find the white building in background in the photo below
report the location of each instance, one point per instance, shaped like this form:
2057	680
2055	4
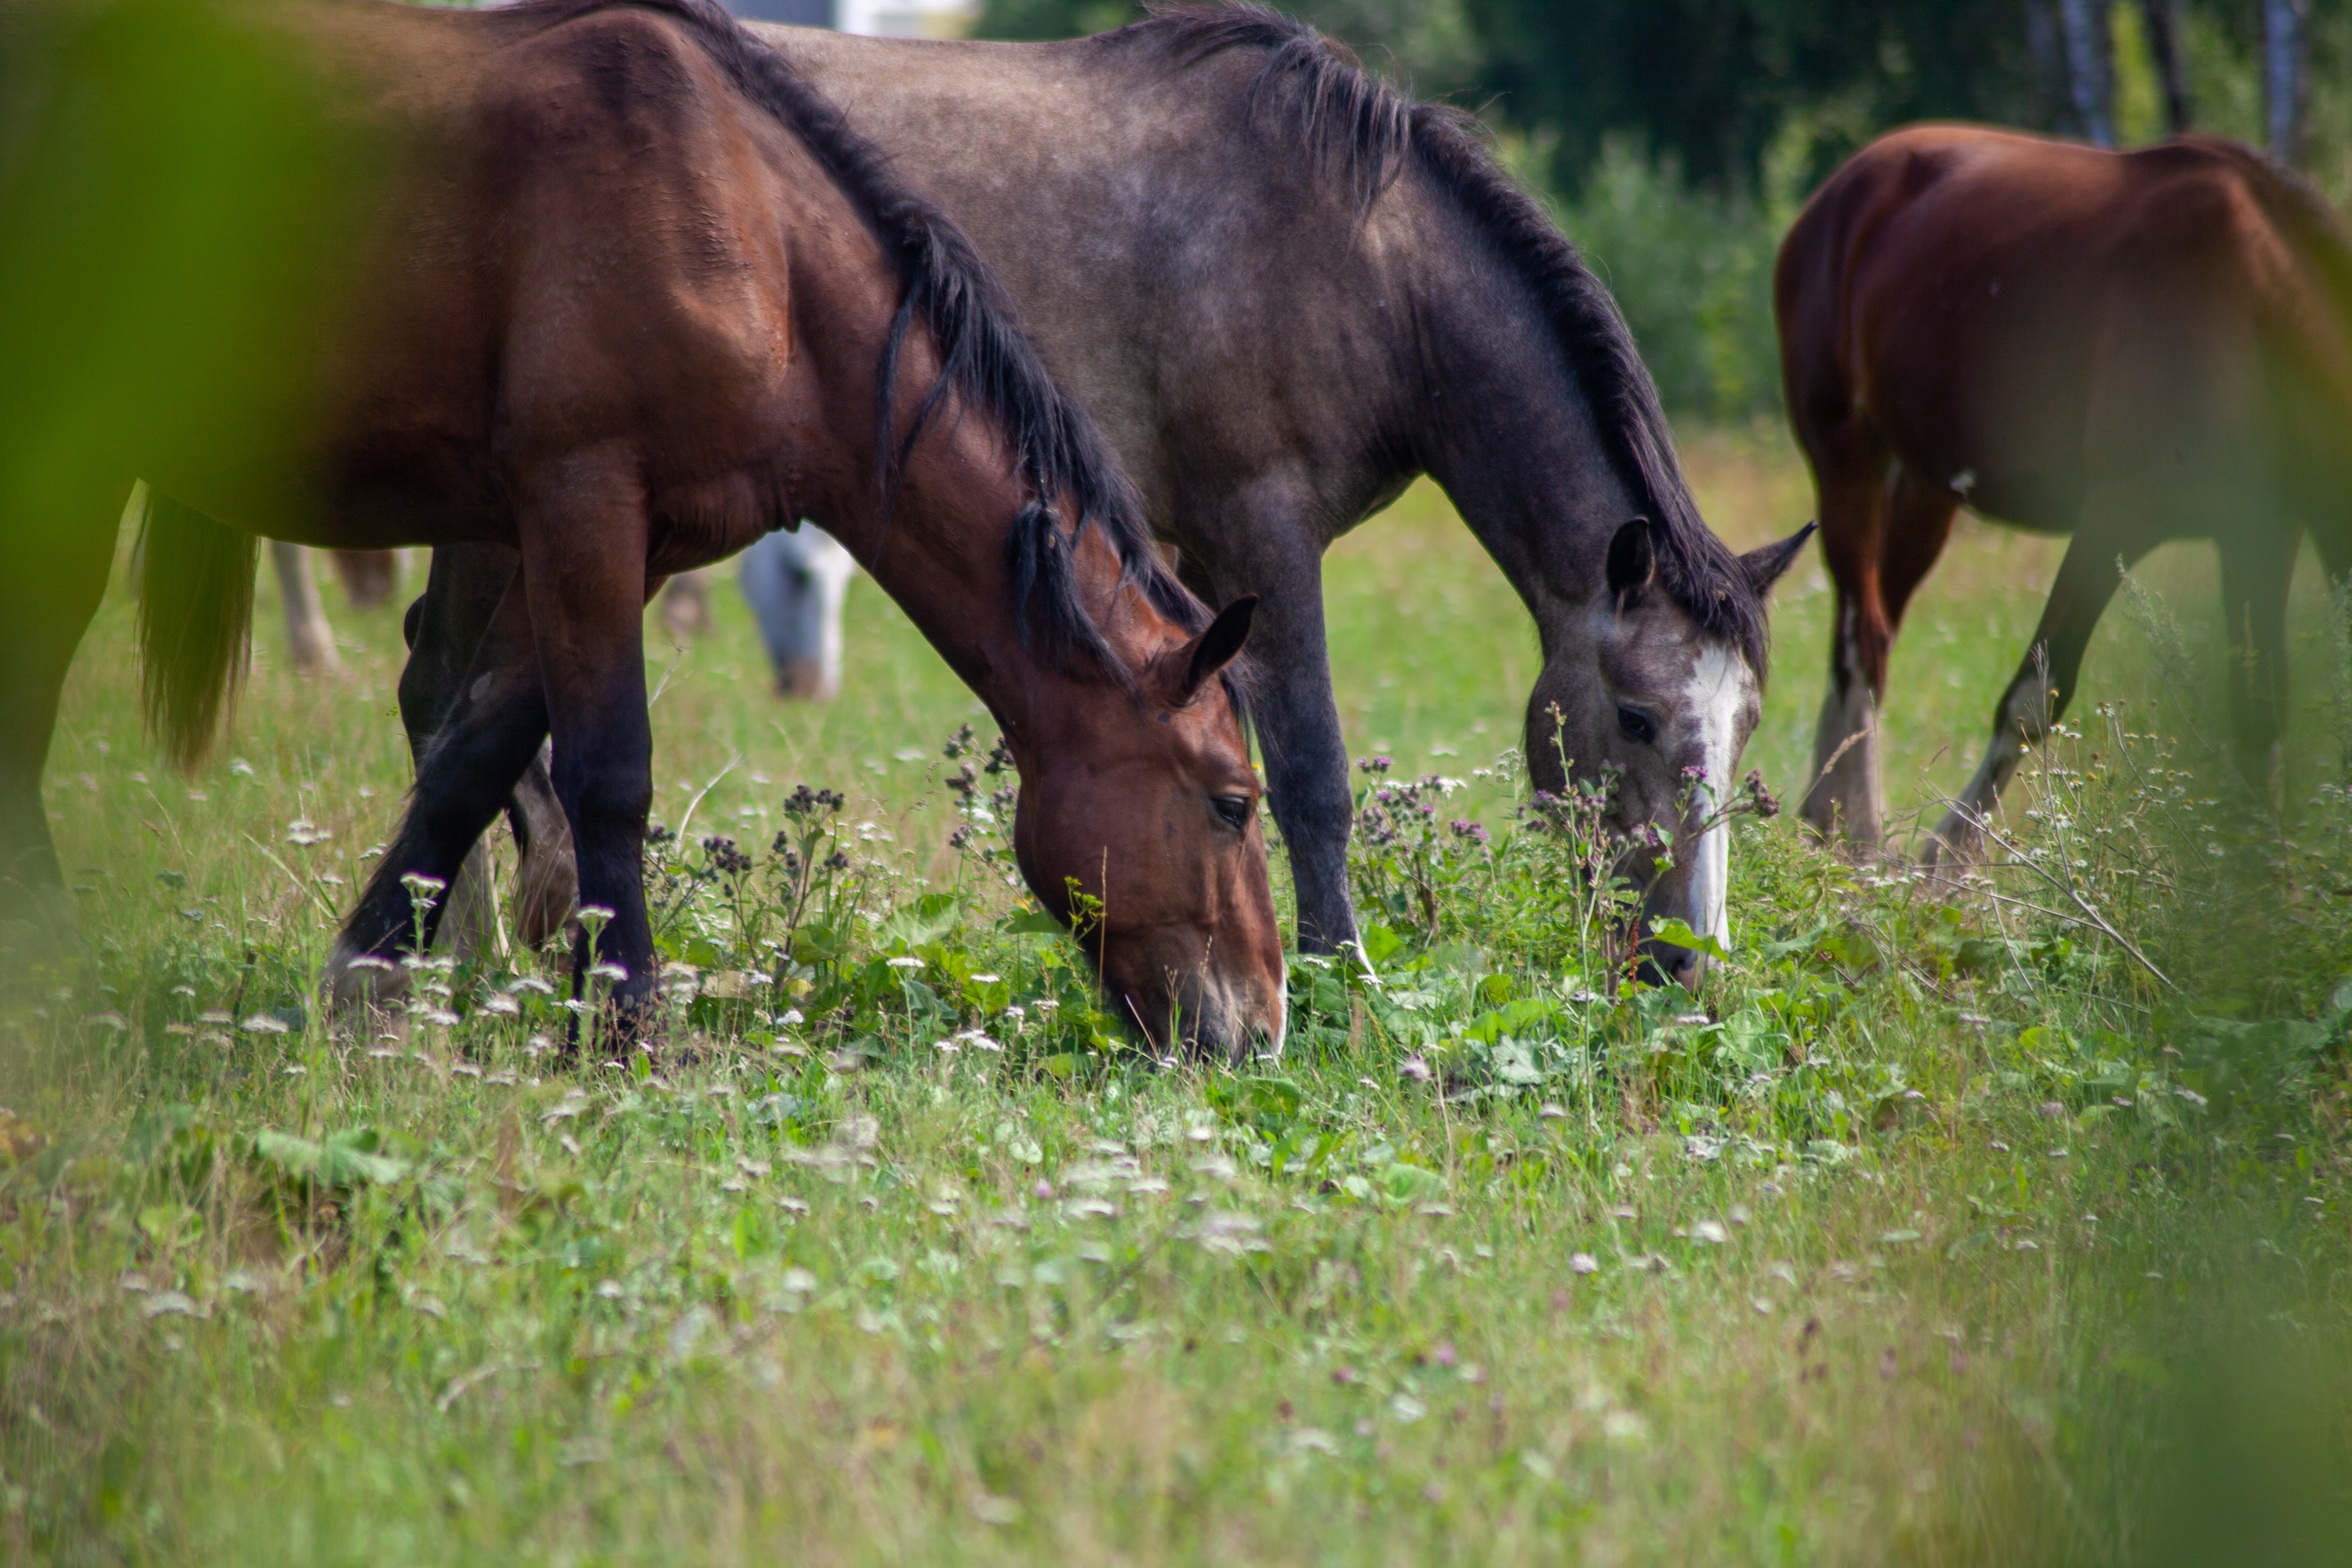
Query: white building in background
875	18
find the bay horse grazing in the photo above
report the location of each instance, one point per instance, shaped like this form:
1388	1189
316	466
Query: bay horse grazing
623	294
2133	347
1299	290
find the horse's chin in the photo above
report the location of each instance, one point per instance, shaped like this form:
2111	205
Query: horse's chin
1213	1018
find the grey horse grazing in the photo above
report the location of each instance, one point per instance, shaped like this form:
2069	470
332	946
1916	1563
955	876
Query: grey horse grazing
795	583
1285	291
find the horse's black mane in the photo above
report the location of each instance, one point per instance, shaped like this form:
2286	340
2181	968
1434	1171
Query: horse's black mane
983	354
1351	122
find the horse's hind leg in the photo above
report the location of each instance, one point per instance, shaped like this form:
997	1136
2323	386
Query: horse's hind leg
50	588
1850	472
489	736
369	576
2255	574
583	529
308	635
2037	695
443	629
686	607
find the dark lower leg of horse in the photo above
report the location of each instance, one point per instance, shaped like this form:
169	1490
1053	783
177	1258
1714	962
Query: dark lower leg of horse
1306	783
444	629
2255	575
606	794
47	595
488	737
584	528
1254	548
465	782
2044	683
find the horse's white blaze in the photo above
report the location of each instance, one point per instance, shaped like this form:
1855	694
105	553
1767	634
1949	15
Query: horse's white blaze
1719	692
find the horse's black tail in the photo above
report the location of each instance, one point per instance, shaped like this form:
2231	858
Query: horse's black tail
196	624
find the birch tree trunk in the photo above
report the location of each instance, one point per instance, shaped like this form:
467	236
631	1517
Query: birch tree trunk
2283	35
2083	27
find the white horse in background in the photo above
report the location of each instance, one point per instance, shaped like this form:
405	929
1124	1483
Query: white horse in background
795	583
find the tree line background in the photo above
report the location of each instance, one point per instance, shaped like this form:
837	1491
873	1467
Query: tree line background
1676	138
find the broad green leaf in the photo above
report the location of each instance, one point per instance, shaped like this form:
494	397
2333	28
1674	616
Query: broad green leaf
1677	932
927	919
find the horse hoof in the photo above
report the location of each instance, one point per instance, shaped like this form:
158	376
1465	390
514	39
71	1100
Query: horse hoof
360	987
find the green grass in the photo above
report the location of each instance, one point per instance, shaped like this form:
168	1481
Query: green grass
1950	1236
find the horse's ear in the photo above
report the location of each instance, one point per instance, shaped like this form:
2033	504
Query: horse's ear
1633	562
1764	566
1217	648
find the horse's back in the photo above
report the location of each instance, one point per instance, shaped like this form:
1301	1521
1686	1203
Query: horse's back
2035	315
1121	185
591	216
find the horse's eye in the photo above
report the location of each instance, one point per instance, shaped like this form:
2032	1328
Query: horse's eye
1637	724
1234	808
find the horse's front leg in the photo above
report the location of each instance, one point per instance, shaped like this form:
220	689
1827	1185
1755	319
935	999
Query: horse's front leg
584	538
2112	529
488	736
1297	722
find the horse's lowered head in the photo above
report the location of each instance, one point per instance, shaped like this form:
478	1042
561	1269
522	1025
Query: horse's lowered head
1138	825
1647	704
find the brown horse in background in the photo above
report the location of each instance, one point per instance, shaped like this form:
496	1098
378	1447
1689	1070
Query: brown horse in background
2132	347
621	293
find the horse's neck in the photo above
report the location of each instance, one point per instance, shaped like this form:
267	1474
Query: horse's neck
1507	431
1090	178
943	558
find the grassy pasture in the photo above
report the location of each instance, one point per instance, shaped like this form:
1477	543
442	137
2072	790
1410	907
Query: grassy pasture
1949	1235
